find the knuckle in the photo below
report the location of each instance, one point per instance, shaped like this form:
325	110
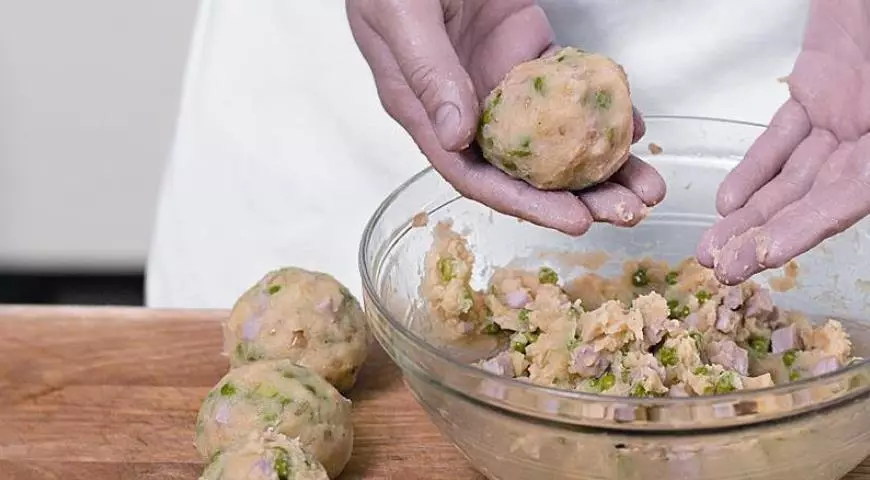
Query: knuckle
423	79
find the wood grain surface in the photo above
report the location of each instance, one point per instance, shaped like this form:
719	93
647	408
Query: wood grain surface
112	394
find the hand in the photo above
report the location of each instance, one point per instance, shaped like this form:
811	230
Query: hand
435	60
807	177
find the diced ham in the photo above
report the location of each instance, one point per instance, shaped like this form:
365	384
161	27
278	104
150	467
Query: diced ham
587	362
500	364
517	299
759	305
653	333
825	365
779	318
325	306
729	355
733	298
222	416
251	328
784	339
726	319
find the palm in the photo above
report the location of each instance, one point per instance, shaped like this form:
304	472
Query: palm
807	177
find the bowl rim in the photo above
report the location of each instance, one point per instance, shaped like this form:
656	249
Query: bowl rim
645	403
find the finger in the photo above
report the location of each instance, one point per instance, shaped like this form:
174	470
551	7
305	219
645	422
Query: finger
417	37
798	174
482	182
836	166
512	32
396	96
641	179
793	182
639	126
765	157
612	203
715	238
825	211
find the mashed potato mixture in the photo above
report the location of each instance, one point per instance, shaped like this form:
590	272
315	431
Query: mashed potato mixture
264	456
657	330
277	396
559	122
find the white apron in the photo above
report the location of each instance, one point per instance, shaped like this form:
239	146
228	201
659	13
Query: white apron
283	150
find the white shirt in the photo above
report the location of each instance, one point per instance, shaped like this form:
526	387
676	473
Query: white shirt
283	150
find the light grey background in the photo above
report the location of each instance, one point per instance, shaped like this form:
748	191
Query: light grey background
88	98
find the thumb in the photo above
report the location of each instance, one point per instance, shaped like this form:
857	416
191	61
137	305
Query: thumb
416	35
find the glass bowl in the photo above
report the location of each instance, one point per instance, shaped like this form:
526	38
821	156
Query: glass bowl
812	429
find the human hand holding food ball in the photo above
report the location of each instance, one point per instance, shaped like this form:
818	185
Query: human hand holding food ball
807	177
557	123
434	61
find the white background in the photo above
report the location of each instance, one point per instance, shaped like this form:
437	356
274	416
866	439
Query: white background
88	99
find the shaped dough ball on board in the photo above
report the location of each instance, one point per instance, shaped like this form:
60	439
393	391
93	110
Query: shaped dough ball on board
264	456
304	316
285	397
562	122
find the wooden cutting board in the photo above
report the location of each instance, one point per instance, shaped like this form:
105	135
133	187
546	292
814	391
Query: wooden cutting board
112	394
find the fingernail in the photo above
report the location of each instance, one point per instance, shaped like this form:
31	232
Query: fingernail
447	119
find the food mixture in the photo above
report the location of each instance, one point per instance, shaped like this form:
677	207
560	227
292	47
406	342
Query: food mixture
281	396
304	316
563	121
264	456
657	330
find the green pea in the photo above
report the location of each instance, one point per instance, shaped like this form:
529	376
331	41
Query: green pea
491	328
523	317
539	85
668	356
702	370
703	296
524	149
282	466
699	340
548	275
266	390
759	345
497	98
610	134
270	417
639	391
676	311
725	384
671	278
603	100
640	278
445	269
519	341
485	118
274	289
604	383
789	357
228	390
794	376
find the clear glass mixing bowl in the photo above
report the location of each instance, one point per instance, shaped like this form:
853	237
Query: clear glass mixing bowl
815	429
